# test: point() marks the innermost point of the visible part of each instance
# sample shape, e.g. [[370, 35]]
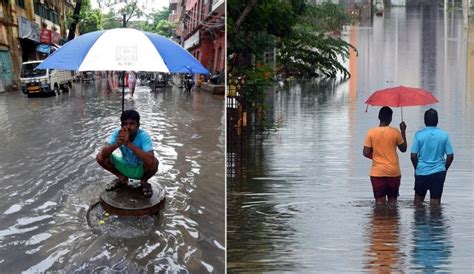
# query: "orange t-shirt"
[[384, 142]]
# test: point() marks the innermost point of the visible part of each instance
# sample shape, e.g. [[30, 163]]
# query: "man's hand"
[[403, 126], [123, 137], [403, 147]]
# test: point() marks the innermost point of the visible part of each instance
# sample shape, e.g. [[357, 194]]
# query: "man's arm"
[[414, 159], [146, 156], [367, 152], [403, 146], [449, 160], [109, 148]]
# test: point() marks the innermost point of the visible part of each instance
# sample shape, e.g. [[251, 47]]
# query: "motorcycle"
[[188, 83]]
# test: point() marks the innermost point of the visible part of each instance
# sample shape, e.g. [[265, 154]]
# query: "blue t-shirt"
[[142, 141], [431, 144]]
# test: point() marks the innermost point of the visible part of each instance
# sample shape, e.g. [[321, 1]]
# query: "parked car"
[[43, 82]]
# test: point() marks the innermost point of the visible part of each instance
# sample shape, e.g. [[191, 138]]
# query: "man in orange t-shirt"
[[381, 146]]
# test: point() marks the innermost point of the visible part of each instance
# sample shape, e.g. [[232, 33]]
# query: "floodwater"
[[50, 179], [304, 202]]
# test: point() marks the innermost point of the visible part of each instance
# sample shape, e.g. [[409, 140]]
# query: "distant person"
[[188, 82], [430, 145], [381, 146], [216, 79], [137, 161], [132, 81]]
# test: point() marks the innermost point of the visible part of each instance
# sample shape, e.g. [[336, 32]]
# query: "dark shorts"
[[433, 182], [385, 186]]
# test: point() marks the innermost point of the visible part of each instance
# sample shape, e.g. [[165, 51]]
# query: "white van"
[[43, 82]]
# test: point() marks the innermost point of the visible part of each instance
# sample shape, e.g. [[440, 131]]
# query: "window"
[[55, 17], [20, 3], [37, 6], [219, 55]]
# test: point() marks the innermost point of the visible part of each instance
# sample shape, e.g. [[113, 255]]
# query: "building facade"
[[201, 30], [29, 30]]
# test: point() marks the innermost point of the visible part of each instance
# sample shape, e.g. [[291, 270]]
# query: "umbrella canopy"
[[401, 97], [123, 49]]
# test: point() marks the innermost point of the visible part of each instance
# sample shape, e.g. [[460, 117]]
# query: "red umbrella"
[[401, 97]]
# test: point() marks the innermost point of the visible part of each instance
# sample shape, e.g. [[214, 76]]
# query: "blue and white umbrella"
[[123, 49]]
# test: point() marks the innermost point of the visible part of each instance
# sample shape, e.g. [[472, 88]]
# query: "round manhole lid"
[[129, 201]]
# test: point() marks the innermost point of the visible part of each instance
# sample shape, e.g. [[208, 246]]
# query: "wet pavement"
[[50, 179], [304, 202]]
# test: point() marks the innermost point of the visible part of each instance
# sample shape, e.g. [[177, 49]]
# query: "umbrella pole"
[[401, 108], [124, 21], [123, 91]]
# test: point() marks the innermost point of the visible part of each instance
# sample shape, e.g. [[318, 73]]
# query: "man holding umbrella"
[[381, 146]]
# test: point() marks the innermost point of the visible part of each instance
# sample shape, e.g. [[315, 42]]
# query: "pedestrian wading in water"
[[430, 146], [381, 146], [137, 161]]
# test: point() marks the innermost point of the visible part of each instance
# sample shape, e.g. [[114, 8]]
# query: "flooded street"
[[49, 179], [305, 201]]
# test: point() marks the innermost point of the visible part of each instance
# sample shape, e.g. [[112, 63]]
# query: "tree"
[[111, 20], [299, 30], [116, 8], [311, 48], [75, 20], [88, 19], [253, 26], [158, 23]]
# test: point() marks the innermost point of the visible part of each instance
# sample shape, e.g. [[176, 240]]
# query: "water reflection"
[[431, 242], [49, 178], [303, 175], [384, 253]]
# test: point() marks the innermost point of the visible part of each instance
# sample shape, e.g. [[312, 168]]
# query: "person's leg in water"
[[418, 200], [131, 86], [421, 187], [436, 188], [106, 163], [379, 189], [393, 186], [148, 171]]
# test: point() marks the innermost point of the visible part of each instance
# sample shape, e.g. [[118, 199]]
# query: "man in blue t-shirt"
[[430, 145], [137, 161]]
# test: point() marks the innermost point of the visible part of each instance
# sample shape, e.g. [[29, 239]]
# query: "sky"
[[149, 4]]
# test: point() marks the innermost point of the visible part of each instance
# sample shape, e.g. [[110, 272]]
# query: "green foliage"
[[311, 49], [89, 19], [165, 28], [302, 34], [157, 16], [132, 10], [325, 17], [300, 31], [111, 20], [254, 82]]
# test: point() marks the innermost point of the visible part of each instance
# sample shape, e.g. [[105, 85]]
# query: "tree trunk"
[[75, 20], [250, 5]]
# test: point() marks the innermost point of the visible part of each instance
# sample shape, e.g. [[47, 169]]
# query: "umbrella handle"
[[366, 108]]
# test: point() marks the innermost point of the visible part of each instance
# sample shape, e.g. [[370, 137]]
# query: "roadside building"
[[29, 30], [201, 30]]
